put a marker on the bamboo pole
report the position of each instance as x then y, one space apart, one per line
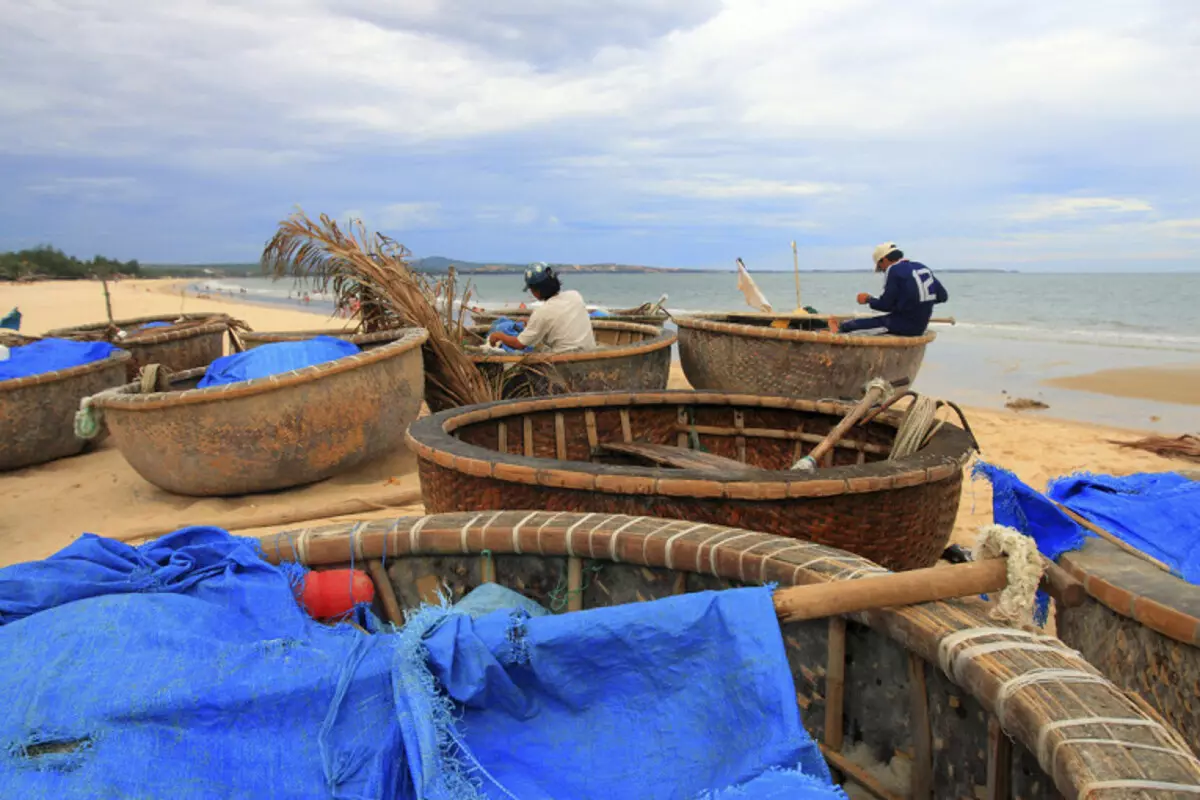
922 735
272 517
835 683
826 445
796 269
387 595
886 590
1108 537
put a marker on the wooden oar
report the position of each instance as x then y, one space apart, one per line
1108 537
819 600
809 462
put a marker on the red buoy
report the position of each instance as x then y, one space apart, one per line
333 592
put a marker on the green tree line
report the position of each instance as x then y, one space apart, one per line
50 262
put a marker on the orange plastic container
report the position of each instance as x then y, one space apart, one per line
333 592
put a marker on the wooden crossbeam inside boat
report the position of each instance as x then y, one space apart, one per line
672 456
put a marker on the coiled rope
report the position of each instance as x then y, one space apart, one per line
915 427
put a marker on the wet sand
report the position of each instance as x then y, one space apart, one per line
1161 383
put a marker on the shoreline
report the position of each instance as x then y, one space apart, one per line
99 492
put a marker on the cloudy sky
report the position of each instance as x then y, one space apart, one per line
1036 135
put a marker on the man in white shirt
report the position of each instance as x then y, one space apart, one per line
560 324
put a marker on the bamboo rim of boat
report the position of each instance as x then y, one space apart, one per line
119 357
219 323
1151 609
657 339
432 438
1017 676
701 323
127 398
265 337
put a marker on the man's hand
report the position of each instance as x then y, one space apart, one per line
495 337
863 298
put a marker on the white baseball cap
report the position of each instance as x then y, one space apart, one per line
882 250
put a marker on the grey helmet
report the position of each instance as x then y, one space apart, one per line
537 272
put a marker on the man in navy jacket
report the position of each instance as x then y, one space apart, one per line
909 294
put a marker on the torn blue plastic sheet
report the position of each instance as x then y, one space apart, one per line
275 359
509 327
186 668
1156 512
50 355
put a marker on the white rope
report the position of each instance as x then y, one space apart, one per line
571 530
916 424
953 640
462 537
712 554
1050 727
674 536
970 653
612 542
1135 783
657 533
762 568
414 535
516 532
1025 567
700 547
1036 676
556 515
1154 748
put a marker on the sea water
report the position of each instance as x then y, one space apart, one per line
1013 330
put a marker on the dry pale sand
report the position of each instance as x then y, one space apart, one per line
44 508
1167 384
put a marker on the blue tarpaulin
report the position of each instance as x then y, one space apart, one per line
274 359
154 325
1158 513
510 328
185 668
49 355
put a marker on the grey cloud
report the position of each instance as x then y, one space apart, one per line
549 34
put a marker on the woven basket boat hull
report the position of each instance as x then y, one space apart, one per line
629 357
1141 627
932 682
365 341
730 357
488 317
176 349
275 432
37 413
537 454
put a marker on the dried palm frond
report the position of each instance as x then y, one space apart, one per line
374 270
1185 447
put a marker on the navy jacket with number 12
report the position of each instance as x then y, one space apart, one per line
909 294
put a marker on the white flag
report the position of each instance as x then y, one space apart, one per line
750 291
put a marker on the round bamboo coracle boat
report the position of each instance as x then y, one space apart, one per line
742 353
707 457
192 340
959 706
269 433
37 412
1140 626
627 356
365 341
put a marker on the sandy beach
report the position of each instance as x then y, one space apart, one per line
44 508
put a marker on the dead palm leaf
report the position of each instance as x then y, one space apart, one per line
374 270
